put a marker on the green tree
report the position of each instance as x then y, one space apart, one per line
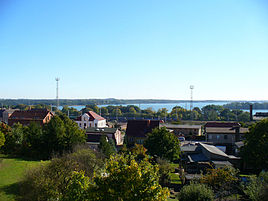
139 152
256 189
105 147
70 110
61 134
54 136
132 110
104 111
63 178
196 192
165 170
222 180
78 189
33 142
2 139
116 112
163 144
254 153
73 134
126 179
13 139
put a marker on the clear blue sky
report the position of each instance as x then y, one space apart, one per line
134 49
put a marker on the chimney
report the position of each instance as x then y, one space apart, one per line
250 112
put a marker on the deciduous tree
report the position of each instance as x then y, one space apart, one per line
124 179
254 152
163 144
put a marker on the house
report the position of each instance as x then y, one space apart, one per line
93 135
224 134
184 129
199 156
91 119
260 116
40 116
138 129
5 114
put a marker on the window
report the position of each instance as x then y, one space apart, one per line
218 137
225 137
210 137
85 125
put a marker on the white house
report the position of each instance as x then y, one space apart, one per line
90 119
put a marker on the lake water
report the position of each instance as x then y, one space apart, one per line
157 106
169 106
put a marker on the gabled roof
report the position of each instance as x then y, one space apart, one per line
92 116
222 124
139 128
33 114
213 150
183 126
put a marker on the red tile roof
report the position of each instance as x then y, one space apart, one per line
92 116
34 114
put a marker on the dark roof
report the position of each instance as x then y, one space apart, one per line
261 114
105 130
200 157
1 113
33 114
222 124
93 138
221 164
139 128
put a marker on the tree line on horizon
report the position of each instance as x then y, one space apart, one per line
206 113
242 105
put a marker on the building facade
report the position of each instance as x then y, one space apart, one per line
224 134
91 119
184 129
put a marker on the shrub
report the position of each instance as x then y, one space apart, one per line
196 192
257 188
125 179
222 180
52 180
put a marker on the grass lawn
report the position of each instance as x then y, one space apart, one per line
175 178
11 173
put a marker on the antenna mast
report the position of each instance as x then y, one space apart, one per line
57 92
191 103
